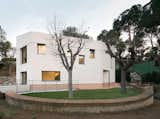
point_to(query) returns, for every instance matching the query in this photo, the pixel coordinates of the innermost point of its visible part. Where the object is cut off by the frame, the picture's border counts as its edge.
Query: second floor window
(41, 48)
(24, 55)
(92, 53)
(81, 59)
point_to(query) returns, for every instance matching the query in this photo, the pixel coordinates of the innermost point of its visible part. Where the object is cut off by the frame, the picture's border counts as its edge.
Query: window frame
(23, 60)
(50, 71)
(22, 83)
(92, 52)
(38, 48)
(83, 60)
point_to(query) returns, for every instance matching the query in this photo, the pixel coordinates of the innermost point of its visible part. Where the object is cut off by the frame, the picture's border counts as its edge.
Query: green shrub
(2, 115)
(8, 59)
(153, 77)
(34, 116)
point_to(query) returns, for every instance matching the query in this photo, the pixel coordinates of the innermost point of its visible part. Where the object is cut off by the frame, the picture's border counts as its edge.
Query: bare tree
(67, 48)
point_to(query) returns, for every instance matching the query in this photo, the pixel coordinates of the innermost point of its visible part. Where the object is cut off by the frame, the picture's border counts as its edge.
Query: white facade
(98, 70)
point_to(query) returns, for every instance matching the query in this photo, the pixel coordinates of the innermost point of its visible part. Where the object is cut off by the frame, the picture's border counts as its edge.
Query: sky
(20, 16)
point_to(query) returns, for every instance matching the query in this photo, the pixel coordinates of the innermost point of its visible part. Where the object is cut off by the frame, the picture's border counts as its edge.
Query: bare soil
(151, 112)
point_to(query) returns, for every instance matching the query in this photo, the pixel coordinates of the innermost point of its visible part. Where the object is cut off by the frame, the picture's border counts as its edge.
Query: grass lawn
(88, 94)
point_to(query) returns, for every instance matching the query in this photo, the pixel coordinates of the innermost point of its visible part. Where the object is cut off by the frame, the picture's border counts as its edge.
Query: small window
(81, 59)
(41, 48)
(92, 53)
(24, 78)
(50, 75)
(24, 55)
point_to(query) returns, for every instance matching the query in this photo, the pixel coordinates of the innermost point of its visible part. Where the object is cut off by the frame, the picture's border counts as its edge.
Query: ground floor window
(50, 75)
(24, 78)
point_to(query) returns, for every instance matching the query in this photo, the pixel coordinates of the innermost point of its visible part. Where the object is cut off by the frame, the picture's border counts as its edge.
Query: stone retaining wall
(88, 106)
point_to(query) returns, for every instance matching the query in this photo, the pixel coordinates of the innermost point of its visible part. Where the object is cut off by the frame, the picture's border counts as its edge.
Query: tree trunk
(151, 39)
(10, 69)
(123, 81)
(70, 92)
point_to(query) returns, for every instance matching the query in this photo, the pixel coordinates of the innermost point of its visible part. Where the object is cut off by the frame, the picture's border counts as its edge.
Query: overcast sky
(20, 16)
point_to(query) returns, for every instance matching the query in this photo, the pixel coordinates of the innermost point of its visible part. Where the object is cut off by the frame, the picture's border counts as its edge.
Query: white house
(38, 67)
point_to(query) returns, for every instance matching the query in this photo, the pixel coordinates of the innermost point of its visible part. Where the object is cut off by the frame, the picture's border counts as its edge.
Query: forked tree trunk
(70, 92)
(123, 81)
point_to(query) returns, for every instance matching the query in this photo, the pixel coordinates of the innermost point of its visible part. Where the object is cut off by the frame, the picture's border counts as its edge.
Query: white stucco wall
(90, 72)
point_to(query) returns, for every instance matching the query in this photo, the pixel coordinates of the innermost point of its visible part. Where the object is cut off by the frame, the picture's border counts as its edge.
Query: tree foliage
(155, 8)
(5, 45)
(149, 24)
(129, 49)
(138, 24)
(5, 48)
(73, 32)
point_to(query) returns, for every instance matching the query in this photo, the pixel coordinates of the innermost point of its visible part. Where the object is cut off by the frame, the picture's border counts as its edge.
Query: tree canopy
(129, 36)
(5, 45)
(127, 39)
(73, 31)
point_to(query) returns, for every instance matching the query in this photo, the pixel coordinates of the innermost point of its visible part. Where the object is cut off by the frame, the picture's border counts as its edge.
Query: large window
(92, 53)
(41, 48)
(24, 78)
(24, 55)
(50, 75)
(81, 59)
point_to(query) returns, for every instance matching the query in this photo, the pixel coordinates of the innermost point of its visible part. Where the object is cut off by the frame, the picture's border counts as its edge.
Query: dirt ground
(152, 112)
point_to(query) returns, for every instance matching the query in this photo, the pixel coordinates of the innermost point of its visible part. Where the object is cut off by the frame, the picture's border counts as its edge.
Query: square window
(41, 48)
(92, 54)
(81, 59)
(50, 75)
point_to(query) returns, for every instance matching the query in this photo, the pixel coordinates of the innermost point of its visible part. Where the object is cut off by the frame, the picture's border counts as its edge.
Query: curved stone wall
(88, 106)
